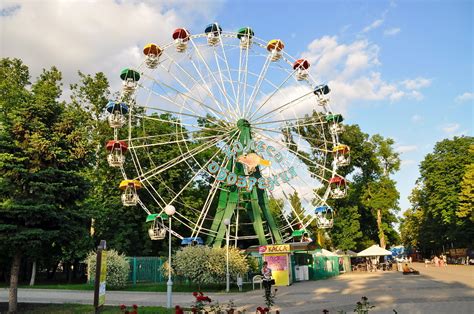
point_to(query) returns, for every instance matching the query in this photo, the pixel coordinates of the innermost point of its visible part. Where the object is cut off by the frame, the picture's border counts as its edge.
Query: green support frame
(255, 202)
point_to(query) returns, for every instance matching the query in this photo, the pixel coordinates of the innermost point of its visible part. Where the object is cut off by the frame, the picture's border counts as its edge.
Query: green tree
(466, 195)
(42, 147)
(440, 203)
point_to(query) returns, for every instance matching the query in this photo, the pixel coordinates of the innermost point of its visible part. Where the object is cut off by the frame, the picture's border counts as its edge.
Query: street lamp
(227, 282)
(169, 210)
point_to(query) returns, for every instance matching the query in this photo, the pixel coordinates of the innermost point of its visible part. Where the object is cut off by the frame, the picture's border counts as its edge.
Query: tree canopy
(441, 203)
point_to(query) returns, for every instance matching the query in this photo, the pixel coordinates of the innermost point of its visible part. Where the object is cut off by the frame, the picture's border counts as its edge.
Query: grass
(147, 287)
(81, 308)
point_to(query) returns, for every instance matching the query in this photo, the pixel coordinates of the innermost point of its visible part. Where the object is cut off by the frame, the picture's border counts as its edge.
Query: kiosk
(278, 259)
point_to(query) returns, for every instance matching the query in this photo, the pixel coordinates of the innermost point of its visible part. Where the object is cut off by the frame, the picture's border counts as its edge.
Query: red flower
(195, 293)
(202, 298)
(178, 310)
(135, 306)
(123, 307)
(266, 310)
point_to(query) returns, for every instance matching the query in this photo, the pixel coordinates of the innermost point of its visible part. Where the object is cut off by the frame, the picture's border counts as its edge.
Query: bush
(117, 268)
(205, 265)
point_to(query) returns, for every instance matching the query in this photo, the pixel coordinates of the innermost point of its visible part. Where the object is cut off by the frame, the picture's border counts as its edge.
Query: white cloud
(465, 97)
(417, 83)
(450, 128)
(351, 72)
(407, 162)
(93, 36)
(375, 24)
(391, 31)
(406, 148)
(416, 118)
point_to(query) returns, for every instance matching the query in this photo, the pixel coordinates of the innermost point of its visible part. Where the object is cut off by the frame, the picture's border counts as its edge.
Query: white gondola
(336, 128)
(117, 111)
(338, 187)
(130, 80)
(321, 92)
(342, 155)
(181, 39)
(301, 67)
(130, 196)
(115, 159)
(245, 35)
(275, 47)
(157, 230)
(117, 150)
(324, 217)
(152, 55)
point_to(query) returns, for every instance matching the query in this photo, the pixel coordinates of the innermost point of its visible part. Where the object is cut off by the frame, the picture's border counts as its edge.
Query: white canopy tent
(374, 250)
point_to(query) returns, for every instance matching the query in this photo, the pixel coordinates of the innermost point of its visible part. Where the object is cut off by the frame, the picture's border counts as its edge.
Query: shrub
(205, 265)
(117, 268)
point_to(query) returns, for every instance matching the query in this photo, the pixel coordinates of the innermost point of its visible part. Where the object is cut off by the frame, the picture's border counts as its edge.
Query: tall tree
(42, 146)
(441, 202)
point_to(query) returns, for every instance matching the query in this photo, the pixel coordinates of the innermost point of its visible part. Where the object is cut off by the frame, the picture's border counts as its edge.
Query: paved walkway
(436, 290)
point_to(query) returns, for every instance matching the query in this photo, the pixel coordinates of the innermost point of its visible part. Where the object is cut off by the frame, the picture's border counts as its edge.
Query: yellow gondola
(341, 154)
(275, 46)
(130, 196)
(152, 53)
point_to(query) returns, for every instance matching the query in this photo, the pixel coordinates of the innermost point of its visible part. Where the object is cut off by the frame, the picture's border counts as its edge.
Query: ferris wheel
(226, 114)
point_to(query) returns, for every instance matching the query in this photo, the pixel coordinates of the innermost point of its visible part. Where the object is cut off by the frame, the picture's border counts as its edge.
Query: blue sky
(403, 69)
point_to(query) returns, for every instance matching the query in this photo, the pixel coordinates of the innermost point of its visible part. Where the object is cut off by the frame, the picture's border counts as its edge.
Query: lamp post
(227, 282)
(169, 210)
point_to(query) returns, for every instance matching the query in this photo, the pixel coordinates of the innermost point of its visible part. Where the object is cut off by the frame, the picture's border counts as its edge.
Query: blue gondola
(323, 209)
(214, 28)
(112, 107)
(321, 90)
(192, 241)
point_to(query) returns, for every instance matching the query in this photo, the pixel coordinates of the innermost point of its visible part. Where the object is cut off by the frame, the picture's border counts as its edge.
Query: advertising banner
(279, 264)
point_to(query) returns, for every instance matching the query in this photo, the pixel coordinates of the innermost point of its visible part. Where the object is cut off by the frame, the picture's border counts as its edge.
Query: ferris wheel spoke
(215, 112)
(279, 132)
(175, 141)
(256, 89)
(216, 82)
(246, 72)
(229, 73)
(177, 160)
(220, 129)
(282, 107)
(231, 105)
(276, 90)
(191, 77)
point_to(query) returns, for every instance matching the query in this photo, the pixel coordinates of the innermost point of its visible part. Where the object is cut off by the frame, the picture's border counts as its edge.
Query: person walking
(267, 278)
(436, 261)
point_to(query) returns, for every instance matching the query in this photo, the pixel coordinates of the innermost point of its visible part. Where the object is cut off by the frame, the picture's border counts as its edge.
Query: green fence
(146, 269)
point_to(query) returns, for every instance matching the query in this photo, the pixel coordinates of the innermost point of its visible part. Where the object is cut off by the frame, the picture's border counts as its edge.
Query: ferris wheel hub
(242, 123)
